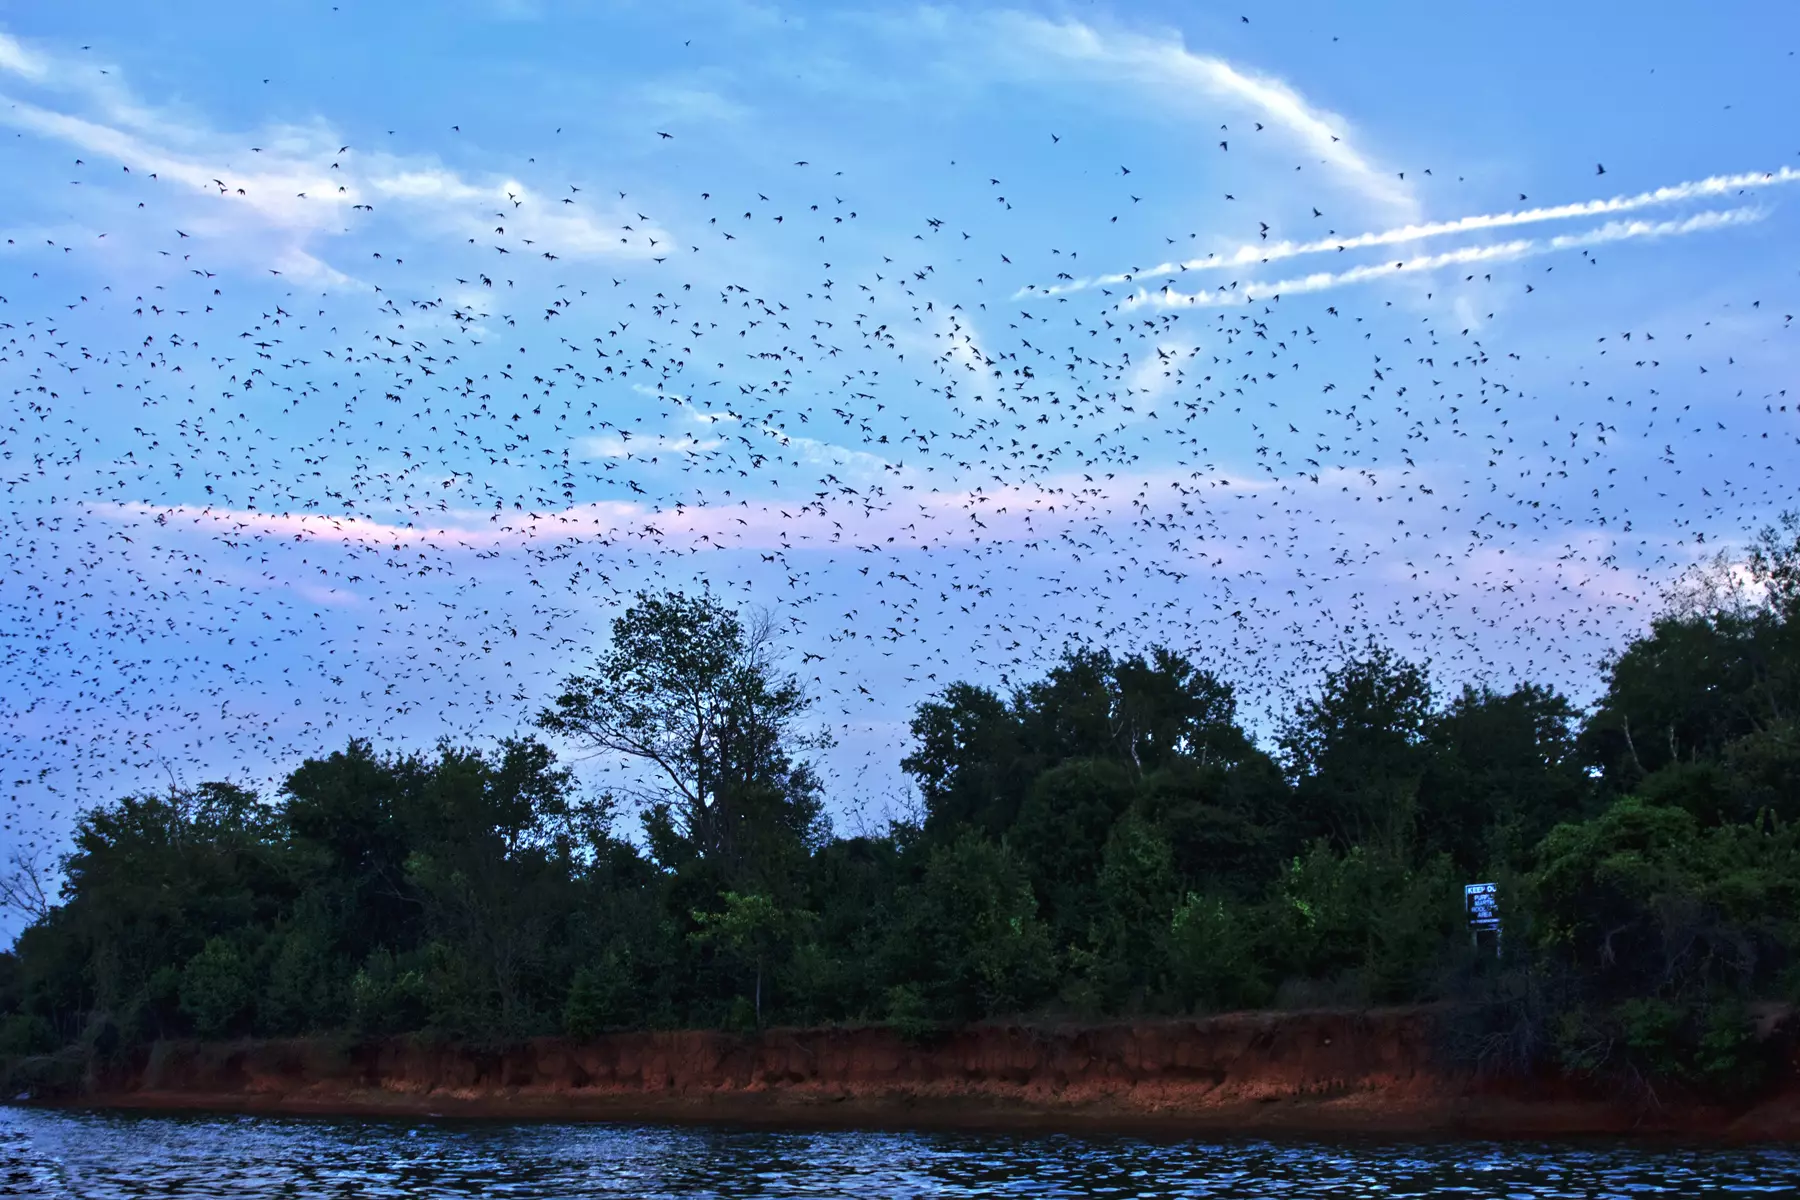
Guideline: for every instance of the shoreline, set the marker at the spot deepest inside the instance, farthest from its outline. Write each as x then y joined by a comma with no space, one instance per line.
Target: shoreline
1479,1118
1338,1073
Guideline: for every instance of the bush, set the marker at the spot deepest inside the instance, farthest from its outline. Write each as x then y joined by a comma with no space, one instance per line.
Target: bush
215,988
600,997
299,995
1137,892
1217,954
386,999
970,936
908,1015
1372,921
1669,927
23,1034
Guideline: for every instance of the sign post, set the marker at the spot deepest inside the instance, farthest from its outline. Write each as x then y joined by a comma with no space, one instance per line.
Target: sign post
1482,902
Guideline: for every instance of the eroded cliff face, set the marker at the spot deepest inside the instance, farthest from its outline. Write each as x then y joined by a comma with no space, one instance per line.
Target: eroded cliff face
1305,1072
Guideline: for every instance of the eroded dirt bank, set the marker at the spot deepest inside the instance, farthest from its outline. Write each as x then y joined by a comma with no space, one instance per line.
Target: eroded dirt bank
1301,1072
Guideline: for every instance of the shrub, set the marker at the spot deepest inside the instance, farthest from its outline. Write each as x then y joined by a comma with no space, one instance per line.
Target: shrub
1216,954
215,988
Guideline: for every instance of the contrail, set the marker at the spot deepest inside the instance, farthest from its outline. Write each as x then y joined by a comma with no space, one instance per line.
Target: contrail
1612,231
1258,253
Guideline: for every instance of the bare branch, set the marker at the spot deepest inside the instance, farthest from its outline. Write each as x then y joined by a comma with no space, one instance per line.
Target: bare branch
25,886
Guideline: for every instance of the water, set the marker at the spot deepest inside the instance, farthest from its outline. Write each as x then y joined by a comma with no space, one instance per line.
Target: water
98,1155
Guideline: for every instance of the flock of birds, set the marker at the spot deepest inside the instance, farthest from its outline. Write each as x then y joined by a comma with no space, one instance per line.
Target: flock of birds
255,508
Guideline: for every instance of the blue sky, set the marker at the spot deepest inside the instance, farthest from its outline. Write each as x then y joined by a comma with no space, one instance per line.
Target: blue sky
360,360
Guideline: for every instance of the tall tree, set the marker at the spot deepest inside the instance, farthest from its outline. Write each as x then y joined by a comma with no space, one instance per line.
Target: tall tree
497,841
1715,682
694,693
1504,771
1357,751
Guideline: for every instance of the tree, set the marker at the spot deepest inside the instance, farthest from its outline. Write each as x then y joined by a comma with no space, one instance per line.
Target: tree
1505,770
1668,927
753,929
1216,954
1357,751
1137,894
976,754
1060,837
1143,712
25,886
1228,826
969,938
969,761
215,988
1721,664
151,880
692,692
346,816
495,842
1683,693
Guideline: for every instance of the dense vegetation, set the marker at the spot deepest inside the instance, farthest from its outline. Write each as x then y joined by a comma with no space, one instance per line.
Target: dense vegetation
1107,840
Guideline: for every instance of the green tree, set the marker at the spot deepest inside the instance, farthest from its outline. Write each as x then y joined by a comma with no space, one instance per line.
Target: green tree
753,929
496,845
1060,836
695,694
976,754
215,988
1503,771
151,880
1670,928
969,938
1136,893
346,818
970,762
1358,751
1219,953
1363,926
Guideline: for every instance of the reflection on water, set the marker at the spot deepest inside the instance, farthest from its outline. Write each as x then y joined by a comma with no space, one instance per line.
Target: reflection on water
94,1155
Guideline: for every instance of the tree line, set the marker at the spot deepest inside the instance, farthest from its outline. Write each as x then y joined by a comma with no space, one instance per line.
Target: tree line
1106,841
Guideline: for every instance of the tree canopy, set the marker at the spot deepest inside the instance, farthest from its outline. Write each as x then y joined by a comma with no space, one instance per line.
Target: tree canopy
1106,839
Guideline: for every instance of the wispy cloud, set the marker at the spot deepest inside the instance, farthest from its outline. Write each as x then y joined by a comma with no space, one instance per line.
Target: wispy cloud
299,181
624,445
16,58
1259,253
1612,231
865,514
1166,69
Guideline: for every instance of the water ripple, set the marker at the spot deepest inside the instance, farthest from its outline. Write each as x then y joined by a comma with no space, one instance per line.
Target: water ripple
96,1156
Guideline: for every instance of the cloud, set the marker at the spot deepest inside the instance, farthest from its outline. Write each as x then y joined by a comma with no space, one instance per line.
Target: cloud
859,515
669,103
1166,69
1612,231
16,58
623,445
301,181
827,454
1154,375
1259,253
269,191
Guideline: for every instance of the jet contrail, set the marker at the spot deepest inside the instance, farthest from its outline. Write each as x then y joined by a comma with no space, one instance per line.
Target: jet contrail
1258,253
1612,231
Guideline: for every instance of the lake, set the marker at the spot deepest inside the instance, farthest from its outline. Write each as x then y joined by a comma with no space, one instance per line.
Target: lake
94,1155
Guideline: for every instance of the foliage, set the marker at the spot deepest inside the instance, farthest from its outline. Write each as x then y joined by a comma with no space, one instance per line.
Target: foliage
752,929
969,937
1215,954
1106,839
694,693
1358,751
215,988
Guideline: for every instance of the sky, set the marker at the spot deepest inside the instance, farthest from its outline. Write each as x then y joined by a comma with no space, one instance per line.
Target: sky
360,362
